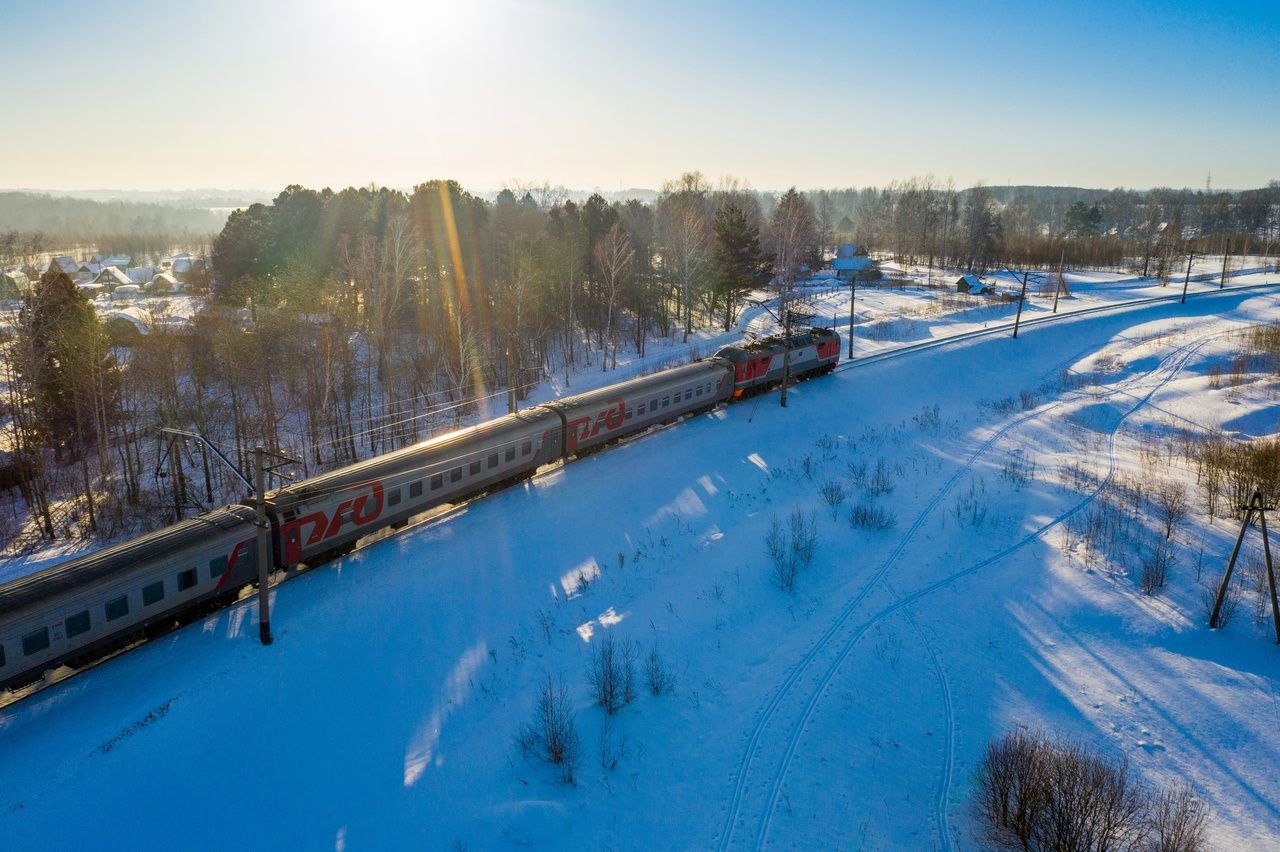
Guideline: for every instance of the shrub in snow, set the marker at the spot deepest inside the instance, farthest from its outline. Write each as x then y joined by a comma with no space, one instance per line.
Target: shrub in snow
868,516
553,733
1040,794
657,675
833,494
1156,565
611,671
791,551
1177,820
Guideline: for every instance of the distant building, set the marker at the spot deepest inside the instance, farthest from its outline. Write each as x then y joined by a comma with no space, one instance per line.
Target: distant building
111,277
141,274
163,283
851,250
848,267
120,261
971,284
64,263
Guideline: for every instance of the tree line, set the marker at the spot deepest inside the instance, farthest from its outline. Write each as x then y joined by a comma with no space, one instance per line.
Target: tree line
923,220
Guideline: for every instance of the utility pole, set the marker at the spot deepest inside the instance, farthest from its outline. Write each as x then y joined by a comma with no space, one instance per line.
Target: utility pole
264,544
1226,251
1062,278
1018,319
853,293
786,355
1186,279
1256,504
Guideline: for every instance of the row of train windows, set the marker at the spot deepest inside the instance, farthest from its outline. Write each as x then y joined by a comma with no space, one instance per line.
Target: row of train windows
455,475
152,593
666,401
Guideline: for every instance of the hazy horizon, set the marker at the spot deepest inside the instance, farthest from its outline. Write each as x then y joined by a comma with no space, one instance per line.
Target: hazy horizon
395,92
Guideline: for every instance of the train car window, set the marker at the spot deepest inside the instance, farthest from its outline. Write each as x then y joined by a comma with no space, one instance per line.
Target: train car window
493,460
698,392
666,401
628,414
415,489
78,623
510,454
35,641
117,608
437,481
640,410
186,579
455,475
153,593
653,405
474,469
217,567
526,448
393,498
1,656
688,394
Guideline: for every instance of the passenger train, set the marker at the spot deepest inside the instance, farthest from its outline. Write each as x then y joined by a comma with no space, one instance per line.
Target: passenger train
78,611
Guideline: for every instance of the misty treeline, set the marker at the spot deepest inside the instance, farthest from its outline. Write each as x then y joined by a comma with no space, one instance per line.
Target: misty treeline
926,221
341,325
34,225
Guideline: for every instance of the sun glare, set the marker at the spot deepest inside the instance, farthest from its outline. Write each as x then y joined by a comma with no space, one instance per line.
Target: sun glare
434,25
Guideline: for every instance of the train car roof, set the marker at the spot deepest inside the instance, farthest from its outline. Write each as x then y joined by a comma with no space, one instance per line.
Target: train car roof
388,463
99,564
675,375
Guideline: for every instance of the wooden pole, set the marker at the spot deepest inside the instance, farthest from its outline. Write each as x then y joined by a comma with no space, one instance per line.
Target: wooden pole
1222,282
1231,564
1018,319
1186,279
1271,577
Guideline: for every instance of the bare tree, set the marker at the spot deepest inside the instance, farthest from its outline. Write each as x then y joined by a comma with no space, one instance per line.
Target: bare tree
613,255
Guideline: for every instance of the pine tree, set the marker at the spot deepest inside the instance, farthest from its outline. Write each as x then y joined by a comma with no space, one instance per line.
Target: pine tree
69,377
741,265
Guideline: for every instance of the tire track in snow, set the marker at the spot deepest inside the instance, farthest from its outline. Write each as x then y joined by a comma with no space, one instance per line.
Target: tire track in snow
1172,365
766,715
763,719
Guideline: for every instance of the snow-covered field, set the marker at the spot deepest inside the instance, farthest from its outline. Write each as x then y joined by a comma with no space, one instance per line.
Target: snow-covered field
846,714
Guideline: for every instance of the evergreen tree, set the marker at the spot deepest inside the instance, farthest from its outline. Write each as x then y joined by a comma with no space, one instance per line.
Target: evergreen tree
69,376
741,265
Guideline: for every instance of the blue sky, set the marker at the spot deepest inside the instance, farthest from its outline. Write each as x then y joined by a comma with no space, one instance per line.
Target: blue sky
141,94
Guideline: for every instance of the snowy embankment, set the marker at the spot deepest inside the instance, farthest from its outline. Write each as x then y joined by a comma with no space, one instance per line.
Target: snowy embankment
849,712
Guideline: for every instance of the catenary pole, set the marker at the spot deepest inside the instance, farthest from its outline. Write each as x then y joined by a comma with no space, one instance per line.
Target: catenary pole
1062,278
264,545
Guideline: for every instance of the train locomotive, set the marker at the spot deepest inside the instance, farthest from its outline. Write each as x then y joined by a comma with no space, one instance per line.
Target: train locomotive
77,611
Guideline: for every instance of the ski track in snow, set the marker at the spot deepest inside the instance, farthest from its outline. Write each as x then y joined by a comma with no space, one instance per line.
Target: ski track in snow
1171,364
1174,363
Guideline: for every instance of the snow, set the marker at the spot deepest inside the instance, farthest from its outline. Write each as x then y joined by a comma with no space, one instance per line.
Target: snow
850,712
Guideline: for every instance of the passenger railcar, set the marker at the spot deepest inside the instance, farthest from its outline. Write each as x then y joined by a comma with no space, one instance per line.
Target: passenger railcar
594,418
327,514
83,606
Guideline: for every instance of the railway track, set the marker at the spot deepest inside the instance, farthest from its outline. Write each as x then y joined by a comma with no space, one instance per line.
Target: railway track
993,330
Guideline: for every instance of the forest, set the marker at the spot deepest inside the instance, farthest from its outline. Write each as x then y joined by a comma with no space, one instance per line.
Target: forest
337,325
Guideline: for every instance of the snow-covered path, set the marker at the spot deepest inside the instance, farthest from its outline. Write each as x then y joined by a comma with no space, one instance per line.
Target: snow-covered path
387,711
